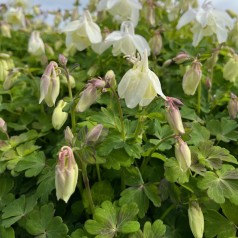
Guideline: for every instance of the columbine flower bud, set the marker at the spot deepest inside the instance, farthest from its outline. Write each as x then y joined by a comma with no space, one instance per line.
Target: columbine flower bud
63,60
156,43
36,45
94,134
181,57
196,219
6,30
64,80
11,78
183,154
68,136
110,79
66,174
3,126
192,78
88,97
151,12
59,117
233,106
174,116
50,84
230,70
6,64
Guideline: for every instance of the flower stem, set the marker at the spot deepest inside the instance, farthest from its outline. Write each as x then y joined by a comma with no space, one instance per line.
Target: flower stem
199,98
120,113
167,211
98,172
147,159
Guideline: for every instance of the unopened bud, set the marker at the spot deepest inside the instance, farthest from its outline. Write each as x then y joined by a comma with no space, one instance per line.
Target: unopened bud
97,83
6,30
36,45
156,43
196,219
151,12
88,97
211,61
192,78
232,13
181,57
11,78
208,83
230,70
167,62
6,64
3,126
66,174
183,154
233,106
64,81
93,70
68,136
110,79
62,60
59,117
94,134
174,116
49,51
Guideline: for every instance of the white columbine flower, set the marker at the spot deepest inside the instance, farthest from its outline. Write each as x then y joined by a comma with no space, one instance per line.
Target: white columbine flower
36,45
15,17
126,41
140,85
82,33
121,10
208,21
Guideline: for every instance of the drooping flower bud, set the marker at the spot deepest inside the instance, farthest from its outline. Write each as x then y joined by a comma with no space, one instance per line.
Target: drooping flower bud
64,81
50,84
94,134
36,45
192,78
11,78
6,64
183,154
110,79
196,219
68,136
174,116
66,174
59,117
6,30
63,60
156,43
230,70
233,106
3,126
181,57
150,16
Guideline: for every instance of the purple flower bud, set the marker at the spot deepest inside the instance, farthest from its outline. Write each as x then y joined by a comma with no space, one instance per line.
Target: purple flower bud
62,60
94,134
181,57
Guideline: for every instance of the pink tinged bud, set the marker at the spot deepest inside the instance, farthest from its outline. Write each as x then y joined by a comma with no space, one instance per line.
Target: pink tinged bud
174,117
88,97
183,154
156,43
192,78
196,219
3,126
181,57
94,134
50,84
98,83
66,174
62,60
110,79
68,136
233,106
59,117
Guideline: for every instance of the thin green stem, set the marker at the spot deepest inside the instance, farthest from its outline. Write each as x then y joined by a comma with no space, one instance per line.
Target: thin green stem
87,186
147,159
98,172
199,98
167,211
120,114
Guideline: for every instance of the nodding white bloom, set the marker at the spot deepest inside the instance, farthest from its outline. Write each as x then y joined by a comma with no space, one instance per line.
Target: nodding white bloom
208,21
36,45
50,84
140,85
16,18
121,10
82,33
66,174
126,41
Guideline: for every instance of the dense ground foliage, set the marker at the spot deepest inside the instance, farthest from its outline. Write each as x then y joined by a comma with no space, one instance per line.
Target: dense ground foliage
92,146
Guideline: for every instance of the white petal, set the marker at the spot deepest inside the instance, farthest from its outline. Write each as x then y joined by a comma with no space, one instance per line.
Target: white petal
135,4
127,46
114,36
93,32
156,83
72,26
125,81
197,34
112,3
100,47
221,34
141,44
102,5
187,17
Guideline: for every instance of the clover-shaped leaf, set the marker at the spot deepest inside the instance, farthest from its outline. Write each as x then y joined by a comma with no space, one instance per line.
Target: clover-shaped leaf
109,220
221,185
